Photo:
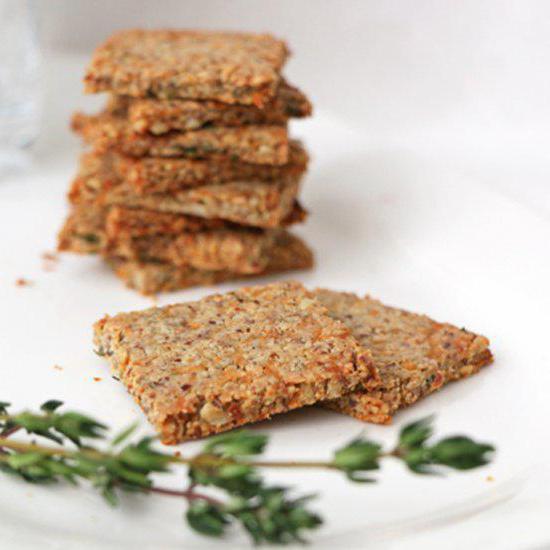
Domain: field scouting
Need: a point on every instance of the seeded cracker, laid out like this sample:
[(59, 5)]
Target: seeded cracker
[(257, 204), (204, 367), (225, 66), (151, 277), (160, 175), (131, 223), (90, 228), (261, 144), (158, 116), (240, 251), (413, 354)]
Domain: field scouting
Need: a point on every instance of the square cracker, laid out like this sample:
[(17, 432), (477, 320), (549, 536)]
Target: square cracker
[(257, 144), (245, 251), (158, 116), (164, 175), (289, 253), (204, 367), (413, 354), (90, 229), (258, 204), (225, 66)]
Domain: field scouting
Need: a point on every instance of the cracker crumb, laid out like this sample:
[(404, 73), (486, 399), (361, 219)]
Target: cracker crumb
[(23, 282), (489, 478), (49, 261), (57, 367), (97, 379)]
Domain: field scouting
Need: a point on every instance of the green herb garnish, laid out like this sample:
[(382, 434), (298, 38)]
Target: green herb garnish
[(227, 464)]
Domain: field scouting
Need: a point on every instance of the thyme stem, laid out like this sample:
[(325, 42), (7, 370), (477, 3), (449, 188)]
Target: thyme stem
[(187, 494), (205, 460), (228, 463)]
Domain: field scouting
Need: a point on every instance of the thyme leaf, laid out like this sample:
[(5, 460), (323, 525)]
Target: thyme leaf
[(226, 465)]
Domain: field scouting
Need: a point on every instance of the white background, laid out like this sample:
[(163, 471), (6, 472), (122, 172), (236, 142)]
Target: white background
[(451, 100)]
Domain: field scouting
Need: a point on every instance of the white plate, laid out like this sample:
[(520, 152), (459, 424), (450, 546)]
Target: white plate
[(410, 229)]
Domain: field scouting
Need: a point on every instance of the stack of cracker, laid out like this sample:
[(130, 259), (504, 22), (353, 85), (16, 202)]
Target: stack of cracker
[(191, 178)]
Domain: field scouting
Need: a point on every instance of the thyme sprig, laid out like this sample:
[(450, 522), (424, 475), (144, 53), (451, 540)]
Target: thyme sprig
[(226, 464)]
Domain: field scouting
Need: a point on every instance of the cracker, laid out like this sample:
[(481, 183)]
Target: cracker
[(131, 223), (158, 116), (225, 66), (164, 175), (89, 227), (259, 204), (260, 144), (245, 251), (205, 367), (413, 354), (289, 254)]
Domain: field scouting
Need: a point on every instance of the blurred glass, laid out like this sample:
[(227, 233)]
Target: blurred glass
[(20, 86)]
